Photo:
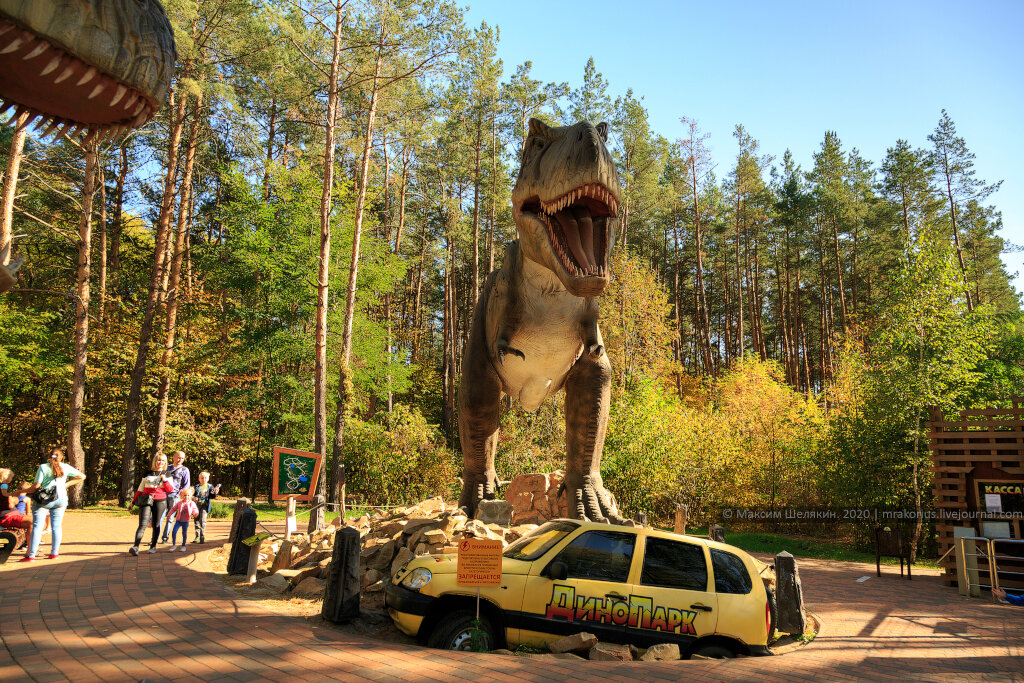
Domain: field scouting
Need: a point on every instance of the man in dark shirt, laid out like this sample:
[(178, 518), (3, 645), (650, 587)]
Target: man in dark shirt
[(181, 479)]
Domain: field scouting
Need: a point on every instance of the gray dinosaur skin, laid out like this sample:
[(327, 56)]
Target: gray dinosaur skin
[(535, 328)]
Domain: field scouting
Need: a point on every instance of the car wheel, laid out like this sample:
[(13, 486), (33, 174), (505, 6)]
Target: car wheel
[(714, 652), (455, 632)]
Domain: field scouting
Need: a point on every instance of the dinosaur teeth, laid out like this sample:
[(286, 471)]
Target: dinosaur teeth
[(89, 74), (131, 100), (15, 44), (18, 111), (42, 47), (139, 108), (121, 90), (49, 129), (64, 75), (97, 90), (53, 64), (5, 27)]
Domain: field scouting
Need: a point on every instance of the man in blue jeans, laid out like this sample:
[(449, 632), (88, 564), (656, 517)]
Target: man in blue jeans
[(180, 479)]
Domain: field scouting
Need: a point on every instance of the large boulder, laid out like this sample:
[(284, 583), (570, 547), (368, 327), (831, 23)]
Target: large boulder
[(495, 512), (578, 642), (662, 652), (607, 652)]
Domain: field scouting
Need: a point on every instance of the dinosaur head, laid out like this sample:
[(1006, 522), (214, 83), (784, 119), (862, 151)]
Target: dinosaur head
[(566, 203), (99, 65)]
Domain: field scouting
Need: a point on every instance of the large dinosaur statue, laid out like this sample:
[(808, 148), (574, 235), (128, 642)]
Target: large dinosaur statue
[(535, 324), (89, 68)]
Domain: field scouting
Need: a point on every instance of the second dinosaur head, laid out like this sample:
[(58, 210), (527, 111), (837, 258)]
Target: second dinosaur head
[(566, 203)]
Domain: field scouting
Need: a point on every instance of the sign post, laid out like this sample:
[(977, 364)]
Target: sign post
[(295, 474), (479, 565)]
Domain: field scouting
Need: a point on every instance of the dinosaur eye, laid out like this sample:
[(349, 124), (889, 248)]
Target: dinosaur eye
[(538, 143)]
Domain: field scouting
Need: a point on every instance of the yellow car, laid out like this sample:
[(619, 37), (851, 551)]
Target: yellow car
[(626, 585)]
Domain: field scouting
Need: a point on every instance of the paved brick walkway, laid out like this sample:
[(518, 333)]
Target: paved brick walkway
[(97, 613)]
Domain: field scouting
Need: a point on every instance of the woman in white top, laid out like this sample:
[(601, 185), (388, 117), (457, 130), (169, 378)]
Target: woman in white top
[(52, 477)]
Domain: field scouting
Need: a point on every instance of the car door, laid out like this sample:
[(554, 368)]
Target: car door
[(594, 596), (671, 599), (742, 602)]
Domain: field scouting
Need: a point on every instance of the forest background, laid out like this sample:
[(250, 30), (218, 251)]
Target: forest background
[(290, 253)]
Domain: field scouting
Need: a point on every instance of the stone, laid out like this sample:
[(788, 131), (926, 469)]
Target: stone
[(343, 578), (434, 536), (283, 560), (789, 596), (495, 512), (607, 652), (310, 586), (478, 529), (427, 507), (413, 524), (276, 583), (336, 522), (296, 576), (717, 533), (662, 652), (421, 549), (543, 506), (370, 577), (385, 553), (401, 558), (521, 501), (574, 643), (390, 528)]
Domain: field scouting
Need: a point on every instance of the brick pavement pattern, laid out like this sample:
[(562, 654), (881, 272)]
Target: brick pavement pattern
[(98, 614)]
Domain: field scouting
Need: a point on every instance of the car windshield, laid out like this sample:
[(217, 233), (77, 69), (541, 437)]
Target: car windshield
[(539, 541)]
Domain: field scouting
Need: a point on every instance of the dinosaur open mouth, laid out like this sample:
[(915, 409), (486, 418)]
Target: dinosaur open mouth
[(577, 224), (52, 85)]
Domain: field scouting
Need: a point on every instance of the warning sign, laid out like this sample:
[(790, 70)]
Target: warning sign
[(479, 562)]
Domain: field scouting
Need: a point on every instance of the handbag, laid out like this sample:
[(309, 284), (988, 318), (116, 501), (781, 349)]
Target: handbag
[(144, 500), (45, 496)]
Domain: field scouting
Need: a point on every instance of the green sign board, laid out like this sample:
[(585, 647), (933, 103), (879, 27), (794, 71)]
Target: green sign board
[(295, 473)]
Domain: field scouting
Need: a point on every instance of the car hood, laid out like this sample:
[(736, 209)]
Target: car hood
[(449, 564)]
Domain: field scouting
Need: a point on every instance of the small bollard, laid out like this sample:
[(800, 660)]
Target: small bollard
[(238, 560), (289, 519), (241, 505), (341, 595), (317, 514), (717, 533), (789, 597), (640, 518)]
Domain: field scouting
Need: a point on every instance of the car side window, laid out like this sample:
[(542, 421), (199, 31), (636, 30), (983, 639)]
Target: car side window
[(671, 564), (599, 556), (731, 574)]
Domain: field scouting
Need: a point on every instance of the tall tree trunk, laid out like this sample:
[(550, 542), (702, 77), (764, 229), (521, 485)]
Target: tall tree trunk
[(76, 456), (270, 149), (118, 222), (494, 193), (11, 184), (174, 281), (476, 208), (839, 274), (344, 381), (102, 220), (741, 334), (956, 231), (146, 331), (323, 272)]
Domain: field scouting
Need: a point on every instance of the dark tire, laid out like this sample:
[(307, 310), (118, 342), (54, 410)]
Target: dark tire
[(714, 652), (454, 632)]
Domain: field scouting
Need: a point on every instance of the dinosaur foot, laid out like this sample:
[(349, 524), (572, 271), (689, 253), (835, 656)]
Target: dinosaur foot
[(477, 487), (588, 499)]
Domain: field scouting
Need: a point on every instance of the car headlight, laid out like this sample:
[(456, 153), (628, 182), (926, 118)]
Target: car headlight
[(417, 578)]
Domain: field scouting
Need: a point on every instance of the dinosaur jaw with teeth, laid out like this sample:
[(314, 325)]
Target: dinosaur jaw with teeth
[(579, 233), (60, 93)]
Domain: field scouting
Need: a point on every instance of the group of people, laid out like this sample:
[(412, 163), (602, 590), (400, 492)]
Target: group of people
[(168, 502), (48, 493)]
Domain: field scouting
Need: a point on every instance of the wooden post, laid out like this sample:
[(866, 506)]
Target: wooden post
[(316, 515), (681, 512), (254, 560), (289, 519)]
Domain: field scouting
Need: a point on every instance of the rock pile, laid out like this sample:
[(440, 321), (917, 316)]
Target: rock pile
[(586, 646), (389, 540), (535, 498)]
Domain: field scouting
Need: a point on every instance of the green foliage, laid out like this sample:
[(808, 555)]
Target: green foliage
[(398, 459)]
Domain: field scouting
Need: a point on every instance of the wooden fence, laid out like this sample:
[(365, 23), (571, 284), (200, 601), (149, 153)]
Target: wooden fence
[(979, 446)]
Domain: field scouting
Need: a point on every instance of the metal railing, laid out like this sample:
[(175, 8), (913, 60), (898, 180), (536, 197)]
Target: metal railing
[(984, 547)]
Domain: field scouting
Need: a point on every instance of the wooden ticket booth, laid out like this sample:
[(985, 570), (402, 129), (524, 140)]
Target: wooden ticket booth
[(978, 463)]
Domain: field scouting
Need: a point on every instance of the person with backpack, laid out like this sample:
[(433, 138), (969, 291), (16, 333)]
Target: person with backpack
[(49, 492)]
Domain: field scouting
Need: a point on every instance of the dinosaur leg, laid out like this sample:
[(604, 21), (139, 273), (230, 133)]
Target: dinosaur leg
[(587, 400), (479, 410)]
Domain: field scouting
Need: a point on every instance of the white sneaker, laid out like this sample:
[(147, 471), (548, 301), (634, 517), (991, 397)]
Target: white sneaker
[(151, 550), (173, 548), (183, 549)]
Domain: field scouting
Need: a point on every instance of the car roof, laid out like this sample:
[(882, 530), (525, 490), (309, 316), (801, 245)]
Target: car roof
[(656, 533)]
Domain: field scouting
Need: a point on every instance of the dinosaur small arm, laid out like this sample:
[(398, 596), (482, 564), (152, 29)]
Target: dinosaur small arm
[(534, 329)]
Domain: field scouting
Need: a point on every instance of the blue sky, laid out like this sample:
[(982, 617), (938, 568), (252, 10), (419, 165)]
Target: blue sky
[(874, 72)]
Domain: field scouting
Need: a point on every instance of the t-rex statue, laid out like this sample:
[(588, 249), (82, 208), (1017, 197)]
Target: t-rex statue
[(91, 68), (535, 324)]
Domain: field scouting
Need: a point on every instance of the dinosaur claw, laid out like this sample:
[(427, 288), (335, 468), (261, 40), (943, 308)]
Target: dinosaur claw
[(503, 348)]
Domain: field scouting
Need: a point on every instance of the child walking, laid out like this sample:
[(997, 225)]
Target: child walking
[(204, 492), (181, 512)]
